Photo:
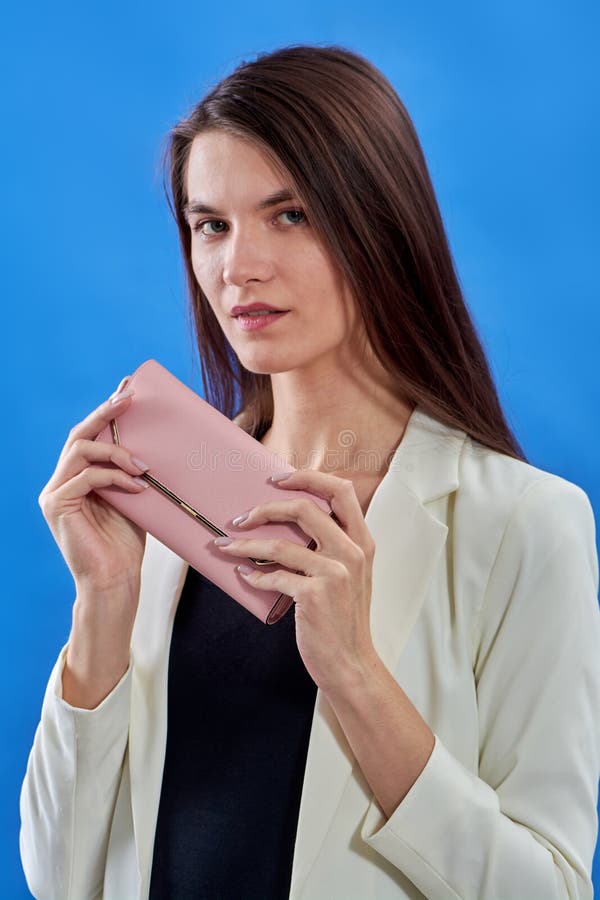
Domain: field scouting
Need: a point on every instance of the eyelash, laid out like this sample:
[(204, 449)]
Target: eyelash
[(198, 225)]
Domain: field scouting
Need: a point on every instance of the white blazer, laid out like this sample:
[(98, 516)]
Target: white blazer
[(484, 608)]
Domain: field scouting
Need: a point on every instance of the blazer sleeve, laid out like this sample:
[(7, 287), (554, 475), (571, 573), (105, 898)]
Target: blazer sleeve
[(526, 824), (69, 791)]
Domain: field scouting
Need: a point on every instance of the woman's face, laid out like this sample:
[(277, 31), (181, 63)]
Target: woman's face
[(244, 254)]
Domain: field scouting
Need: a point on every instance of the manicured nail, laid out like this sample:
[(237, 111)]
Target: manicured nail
[(140, 464), (244, 569), (116, 398), (239, 519), (280, 476), (122, 383), (222, 541)]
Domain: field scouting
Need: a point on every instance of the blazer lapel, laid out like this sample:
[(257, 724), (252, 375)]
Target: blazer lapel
[(409, 540), (163, 577)]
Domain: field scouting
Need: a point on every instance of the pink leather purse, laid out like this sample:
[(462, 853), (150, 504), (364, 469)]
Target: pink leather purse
[(204, 471)]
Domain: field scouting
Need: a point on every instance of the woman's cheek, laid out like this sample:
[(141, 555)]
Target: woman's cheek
[(203, 272)]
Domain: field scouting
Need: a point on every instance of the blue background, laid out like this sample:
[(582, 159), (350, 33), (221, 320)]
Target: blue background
[(504, 97)]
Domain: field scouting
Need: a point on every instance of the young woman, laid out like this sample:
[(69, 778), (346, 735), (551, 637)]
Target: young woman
[(425, 722)]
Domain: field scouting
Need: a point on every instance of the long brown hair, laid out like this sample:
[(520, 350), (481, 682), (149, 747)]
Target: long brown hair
[(335, 127)]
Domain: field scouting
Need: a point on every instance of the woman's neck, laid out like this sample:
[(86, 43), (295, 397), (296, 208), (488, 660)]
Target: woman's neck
[(348, 424)]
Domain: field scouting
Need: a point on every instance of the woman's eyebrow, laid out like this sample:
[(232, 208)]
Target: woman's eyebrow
[(195, 207)]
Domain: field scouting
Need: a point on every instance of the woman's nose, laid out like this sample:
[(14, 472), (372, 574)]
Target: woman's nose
[(247, 257)]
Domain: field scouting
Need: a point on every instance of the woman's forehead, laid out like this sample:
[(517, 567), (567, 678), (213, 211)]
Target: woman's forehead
[(218, 161)]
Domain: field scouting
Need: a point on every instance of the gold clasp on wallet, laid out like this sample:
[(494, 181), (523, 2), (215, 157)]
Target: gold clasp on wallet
[(194, 513)]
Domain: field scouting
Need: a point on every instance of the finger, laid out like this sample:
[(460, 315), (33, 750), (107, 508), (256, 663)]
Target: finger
[(54, 503), (285, 553), (83, 452), (100, 417), (329, 537), (290, 583), (341, 496)]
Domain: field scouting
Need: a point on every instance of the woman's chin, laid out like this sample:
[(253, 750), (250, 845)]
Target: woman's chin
[(264, 369), (266, 363)]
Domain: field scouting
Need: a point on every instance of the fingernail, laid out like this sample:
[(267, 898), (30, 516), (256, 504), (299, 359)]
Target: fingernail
[(280, 476), (239, 519), (244, 569), (140, 464), (122, 383), (117, 397), (222, 541)]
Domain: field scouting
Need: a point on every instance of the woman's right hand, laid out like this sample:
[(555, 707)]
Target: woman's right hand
[(102, 548)]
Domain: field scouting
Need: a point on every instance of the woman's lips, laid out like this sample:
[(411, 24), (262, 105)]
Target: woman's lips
[(255, 323)]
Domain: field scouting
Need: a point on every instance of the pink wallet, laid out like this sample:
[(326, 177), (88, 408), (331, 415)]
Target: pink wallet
[(204, 471)]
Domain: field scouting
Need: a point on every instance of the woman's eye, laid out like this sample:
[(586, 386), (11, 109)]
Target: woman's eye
[(200, 226), (293, 212)]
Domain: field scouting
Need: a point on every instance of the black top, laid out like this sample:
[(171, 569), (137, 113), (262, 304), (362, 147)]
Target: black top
[(240, 706)]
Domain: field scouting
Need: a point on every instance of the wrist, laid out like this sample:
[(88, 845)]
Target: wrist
[(118, 588), (99, 647), (359, 675)]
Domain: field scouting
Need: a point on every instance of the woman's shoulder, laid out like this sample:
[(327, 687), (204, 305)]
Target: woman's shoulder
[(515, 523), (497, 491), (497, 476), (489, 485)]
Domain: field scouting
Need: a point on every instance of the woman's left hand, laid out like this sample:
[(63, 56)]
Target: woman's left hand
[(332, 593)]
